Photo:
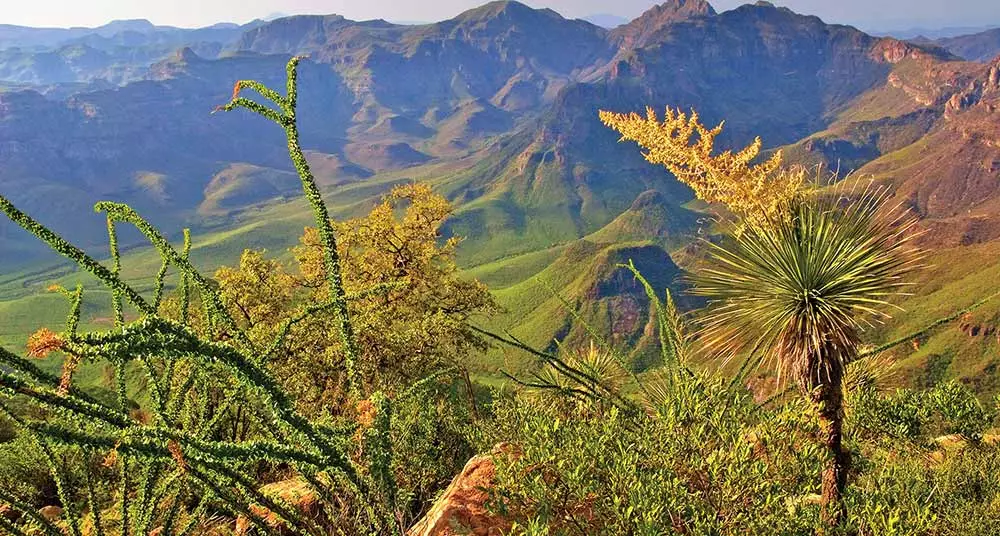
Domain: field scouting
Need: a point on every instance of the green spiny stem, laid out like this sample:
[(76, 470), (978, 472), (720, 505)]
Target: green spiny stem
[(56, 471), (154, 335), (603, 342), (146, 442), (423, 382), (169, 367), (116, 268), (332, 262), (292, 85), (582, 378), (14, 385), (156, 391), (73, 319), (11, 528), (264, 91), (206, 427), (119, 314), (176, 404), (322, 216), (268, 426), (38, 375), (159, 284), (260, 109), (64, 248), (211, 298), (577, 393), (235, 503), (122, 388), (669, 342), (175, 507), (123, 491), (251, 494), (287, 325), (145, 490), (154, 497), (199, 511), (186, 279), (201, 412), (95, 509), (379, 451)]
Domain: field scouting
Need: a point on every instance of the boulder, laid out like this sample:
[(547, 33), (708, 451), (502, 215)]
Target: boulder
[(52, 513), (461, 510)]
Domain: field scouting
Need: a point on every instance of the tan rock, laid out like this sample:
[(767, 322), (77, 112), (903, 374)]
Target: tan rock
[(52, 513), (461, 510)]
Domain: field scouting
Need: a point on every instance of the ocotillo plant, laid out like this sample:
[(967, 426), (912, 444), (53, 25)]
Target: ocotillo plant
[(175, 467)]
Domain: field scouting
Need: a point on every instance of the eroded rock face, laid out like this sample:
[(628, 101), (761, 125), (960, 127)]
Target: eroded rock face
[(461, 510)]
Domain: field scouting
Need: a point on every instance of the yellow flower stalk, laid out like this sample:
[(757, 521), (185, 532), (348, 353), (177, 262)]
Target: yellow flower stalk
[(682, 144)]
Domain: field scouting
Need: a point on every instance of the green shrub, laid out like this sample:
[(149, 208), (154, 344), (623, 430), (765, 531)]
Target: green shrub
[(706, 462)]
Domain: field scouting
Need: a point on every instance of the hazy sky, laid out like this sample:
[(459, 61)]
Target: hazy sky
[(868, 14)]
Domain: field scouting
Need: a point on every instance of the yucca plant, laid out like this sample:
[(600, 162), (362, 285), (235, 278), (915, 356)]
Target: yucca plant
[(797, 289)]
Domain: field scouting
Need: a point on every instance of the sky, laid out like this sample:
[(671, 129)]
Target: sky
[(866, 14)]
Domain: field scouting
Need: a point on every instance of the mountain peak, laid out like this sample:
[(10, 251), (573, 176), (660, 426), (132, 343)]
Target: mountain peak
[(678, 10), (126, 25), (502, 9), (637, 33)]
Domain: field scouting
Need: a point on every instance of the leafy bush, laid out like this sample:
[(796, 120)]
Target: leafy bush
[(948, 408), (710, 461), (707, 462)]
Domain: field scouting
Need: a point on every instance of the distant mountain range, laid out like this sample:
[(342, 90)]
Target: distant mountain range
[(497, 108), (932, 33), (982, 46), (116, 53)]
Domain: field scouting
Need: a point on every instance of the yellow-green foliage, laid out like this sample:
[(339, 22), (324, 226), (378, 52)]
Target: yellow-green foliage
[(410, 308), (706, 459), (684, 146)]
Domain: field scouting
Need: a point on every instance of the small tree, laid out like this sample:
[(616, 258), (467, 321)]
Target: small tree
[(410, 307), (800, 275)]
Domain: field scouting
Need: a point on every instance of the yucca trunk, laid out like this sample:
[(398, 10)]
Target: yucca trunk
[(821, 378), (829, 399)]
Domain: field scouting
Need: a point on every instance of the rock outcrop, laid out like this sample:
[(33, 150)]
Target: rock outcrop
[(51, 513), (461, 510)]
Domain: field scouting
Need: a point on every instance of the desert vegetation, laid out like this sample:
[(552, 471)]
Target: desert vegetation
[(332, 395)]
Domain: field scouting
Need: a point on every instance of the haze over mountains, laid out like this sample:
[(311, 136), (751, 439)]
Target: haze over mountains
[(497, 108)]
